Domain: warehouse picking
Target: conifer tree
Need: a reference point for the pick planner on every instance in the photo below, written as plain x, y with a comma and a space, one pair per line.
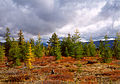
29, 56
107, 56
116, 46
22, 45
32, 43
57, 50
48, 51
2, 54
76, 36
92, 47
101, 48
38, 48
8, 43
86, 50
66, 52
55, 43
14, 53
78, 50
67, 43
77, 45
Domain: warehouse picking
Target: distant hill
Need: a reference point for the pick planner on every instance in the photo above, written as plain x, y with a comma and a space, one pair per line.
95, 42
98, 42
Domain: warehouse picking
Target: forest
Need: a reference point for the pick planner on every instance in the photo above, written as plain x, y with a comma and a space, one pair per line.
19, 52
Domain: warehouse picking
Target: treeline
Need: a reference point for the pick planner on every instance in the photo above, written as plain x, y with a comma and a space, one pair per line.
18, 51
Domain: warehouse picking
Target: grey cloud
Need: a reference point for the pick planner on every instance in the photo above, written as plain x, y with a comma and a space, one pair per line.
111, 9
47, 16
32, 16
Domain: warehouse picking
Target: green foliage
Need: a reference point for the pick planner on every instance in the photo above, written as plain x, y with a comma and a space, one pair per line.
32, 43
55, 43
116, 46
78, 50
101, 48
38, 50
18, 51
79, 65
67, 43
77, 45
107, 56
22, 46
71, 46
79, 70
2, 54
8, 43
66, 52
92, 47
86, 50
14, 53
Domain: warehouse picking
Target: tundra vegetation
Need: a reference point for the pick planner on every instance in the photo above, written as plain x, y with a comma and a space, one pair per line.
66, 60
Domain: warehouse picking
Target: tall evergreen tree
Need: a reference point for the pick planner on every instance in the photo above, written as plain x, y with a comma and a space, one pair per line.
14, 53
32, 43
2, 54
116, 46
22, 45
38, 48
8, 43
107, 56
55, 43
78, 48
48, 51
67, 46
101, 48
92, 47
66, 52
57, 50
86, 50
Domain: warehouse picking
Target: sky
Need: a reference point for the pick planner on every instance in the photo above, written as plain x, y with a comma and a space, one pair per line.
94, 18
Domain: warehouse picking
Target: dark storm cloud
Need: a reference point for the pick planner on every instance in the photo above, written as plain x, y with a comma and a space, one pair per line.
32, 16
47, 16
111, 9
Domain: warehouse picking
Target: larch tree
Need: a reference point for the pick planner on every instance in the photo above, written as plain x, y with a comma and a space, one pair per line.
29, 56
